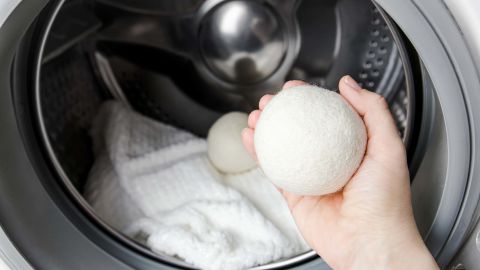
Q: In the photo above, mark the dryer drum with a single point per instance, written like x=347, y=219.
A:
x=148, y=55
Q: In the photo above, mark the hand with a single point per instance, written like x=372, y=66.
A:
x=369, y=224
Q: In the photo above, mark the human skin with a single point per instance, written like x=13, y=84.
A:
x=368, y=224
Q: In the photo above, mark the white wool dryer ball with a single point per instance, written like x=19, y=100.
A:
x=225, y=147
x=309, y=140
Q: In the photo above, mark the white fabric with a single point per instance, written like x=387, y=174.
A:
x=155, y=183
x=264, y=195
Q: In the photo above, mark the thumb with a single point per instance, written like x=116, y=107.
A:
x=383, y=136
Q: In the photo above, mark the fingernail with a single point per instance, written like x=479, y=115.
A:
x=352, y=83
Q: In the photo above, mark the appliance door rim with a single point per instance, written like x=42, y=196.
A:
x=424, y=22
x=88, y=210
x=78, y=198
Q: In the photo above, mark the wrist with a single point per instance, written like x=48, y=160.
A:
x=392, y=252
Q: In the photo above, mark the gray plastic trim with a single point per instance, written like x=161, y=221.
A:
x=6, y=7
x=469, y=255
x=449, y=93
x=449, y=62
x=462, y=59
x=10, y=256
x=465, y=13
x=34, y=224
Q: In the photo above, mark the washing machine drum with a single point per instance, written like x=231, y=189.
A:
x=187, y=62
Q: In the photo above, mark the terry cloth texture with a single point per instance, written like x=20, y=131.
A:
x=155, y=183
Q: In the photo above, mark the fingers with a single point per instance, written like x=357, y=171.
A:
x=247, y=139
x=263, y=101
x=266, y=98
x=293, y=83
x=253, y=118
x=381, y=129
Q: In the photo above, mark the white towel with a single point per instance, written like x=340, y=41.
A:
x=155, y=183
x=267, y=199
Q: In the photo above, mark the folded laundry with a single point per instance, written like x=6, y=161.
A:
x=155, y=183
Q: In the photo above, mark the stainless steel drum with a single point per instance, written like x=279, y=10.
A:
x=232, y=52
